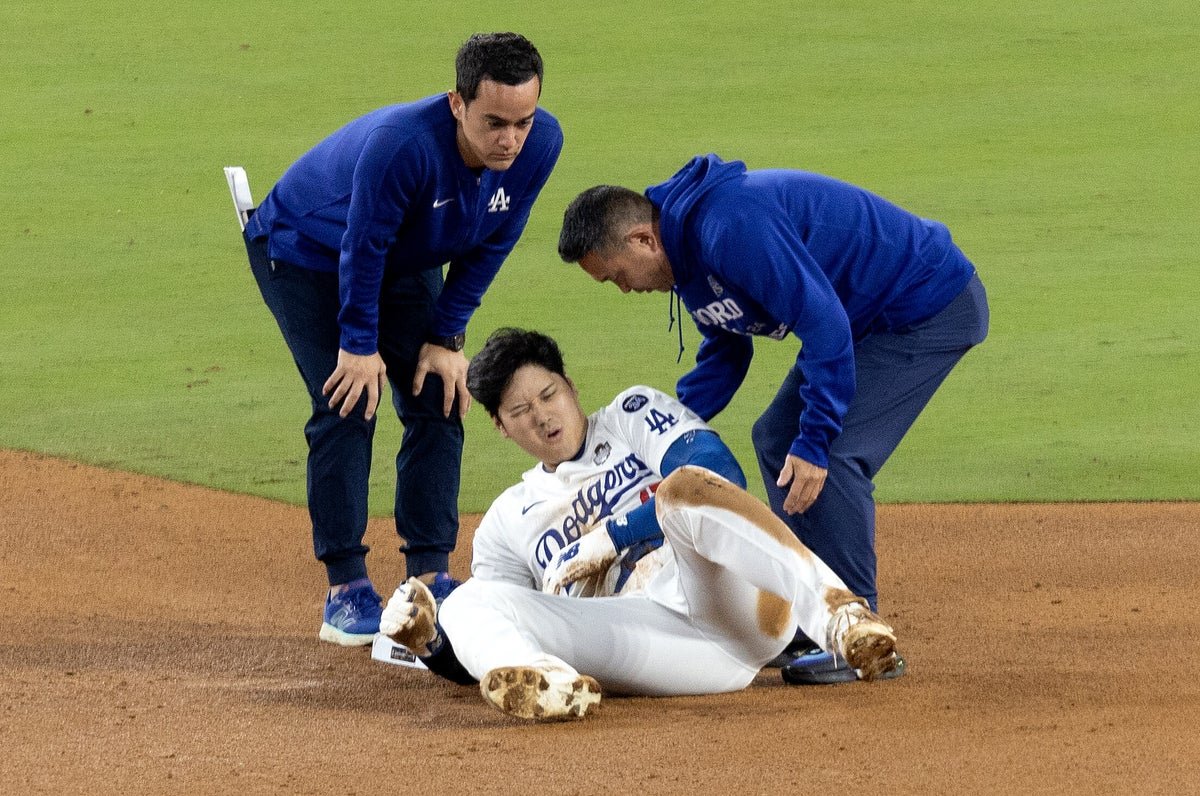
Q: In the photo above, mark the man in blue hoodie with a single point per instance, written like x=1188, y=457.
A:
x=882, y=300
x=348, y=250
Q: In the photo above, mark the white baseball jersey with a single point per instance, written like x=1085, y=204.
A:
x=621, y=459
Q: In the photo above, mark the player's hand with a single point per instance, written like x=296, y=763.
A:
x=452, y=367
x=410, y=617
x=354, y=374
x=807, y=481
x=589, y=555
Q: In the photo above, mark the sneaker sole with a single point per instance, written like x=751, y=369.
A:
x=332, y=635
x=826, y=674
x=524, y=692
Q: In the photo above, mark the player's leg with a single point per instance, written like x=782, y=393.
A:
x=631, y=644
x=429, y=460
x=305, y=305
x=736, y=557
x=896, y=375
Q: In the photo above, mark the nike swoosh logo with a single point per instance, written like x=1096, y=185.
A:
x=441, y=203
x=525, y=510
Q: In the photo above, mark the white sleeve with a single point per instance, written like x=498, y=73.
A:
x=651, y=421
x=492, y=557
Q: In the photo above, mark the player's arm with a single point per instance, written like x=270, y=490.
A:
x=697, y=448
x=722, y=361
x=469, y=277
x=379, y=197
x=791, y=286
x=595, y=551
x=667, y=436
x=660, y=430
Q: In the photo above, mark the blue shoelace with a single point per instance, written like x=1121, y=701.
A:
x=361, y=601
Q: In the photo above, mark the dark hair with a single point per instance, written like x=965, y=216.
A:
x=506, y=351
x=507, y=58
x=598, y=218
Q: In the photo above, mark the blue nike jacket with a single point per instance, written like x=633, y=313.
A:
x=775, y=252
x=390, y=190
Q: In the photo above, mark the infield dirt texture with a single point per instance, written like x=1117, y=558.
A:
x=161, y=639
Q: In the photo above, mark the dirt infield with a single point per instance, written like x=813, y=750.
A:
x=161, y=638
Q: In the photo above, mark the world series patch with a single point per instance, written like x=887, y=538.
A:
x=634, y=403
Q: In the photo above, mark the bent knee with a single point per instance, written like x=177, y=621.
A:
x=692, y=486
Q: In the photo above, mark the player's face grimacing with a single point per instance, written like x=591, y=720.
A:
x=540, y=411
x=640, y=265
x=492, y=128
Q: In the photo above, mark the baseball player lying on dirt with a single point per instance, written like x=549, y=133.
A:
x=691, y=589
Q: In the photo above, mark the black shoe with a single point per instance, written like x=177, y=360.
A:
x=799, y=645
x=817, y=667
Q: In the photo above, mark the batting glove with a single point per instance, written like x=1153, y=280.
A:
x=591, y=554
x=410, y=618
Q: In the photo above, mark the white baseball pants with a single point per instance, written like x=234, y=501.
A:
x=733, y=591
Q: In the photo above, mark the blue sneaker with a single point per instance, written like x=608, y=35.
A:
x=817, y=667
x=352, y=616
x=442, y=585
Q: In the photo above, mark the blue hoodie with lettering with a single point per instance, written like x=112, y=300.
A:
x=391, y=190
x=773, y=252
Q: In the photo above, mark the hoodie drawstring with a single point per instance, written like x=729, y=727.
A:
x=674, y=302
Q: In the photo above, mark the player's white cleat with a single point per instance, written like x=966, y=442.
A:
x=530, y=692
x=864, y=640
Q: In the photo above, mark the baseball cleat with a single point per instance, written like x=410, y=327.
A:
x=530, y=692
x=352, y=616
x=410, y=617
x=818, y=667
x=864, y=640
x=799, y=645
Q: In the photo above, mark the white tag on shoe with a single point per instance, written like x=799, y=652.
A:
x=384, y=650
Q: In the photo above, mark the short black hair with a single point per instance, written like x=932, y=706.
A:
x=598, y=218
x=507, y=58
x=505, y=352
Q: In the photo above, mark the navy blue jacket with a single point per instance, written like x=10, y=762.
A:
x=775, y=252
x=390, y=190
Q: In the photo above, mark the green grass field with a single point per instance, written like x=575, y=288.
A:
x=1058, y=141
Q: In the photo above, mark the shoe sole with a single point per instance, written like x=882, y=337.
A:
x=868, y=647
x=826, y=674
x=332, y=635
x=524, y=692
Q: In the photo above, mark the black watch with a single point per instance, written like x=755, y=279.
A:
x=454, y=342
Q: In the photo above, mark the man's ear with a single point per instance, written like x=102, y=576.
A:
x=642, y=234
x=500, y=426
x=457, y=106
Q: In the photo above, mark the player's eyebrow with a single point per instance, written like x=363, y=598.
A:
x=491, y=117
x=544, y=393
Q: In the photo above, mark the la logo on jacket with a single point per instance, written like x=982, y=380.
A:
x=498, y=202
